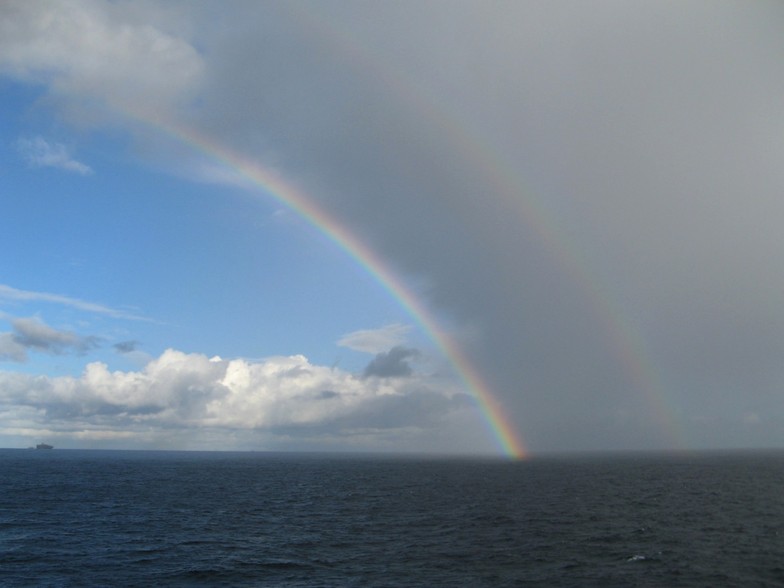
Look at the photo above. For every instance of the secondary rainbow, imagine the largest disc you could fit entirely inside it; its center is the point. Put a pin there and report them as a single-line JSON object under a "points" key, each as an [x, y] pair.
{"points": [[504, 181], [275, 185]]}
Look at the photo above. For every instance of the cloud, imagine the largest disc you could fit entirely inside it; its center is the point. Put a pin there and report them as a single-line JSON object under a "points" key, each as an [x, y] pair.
{"points": [[126, 346], [376, 340], [11, 349], [9, 293], [38, 152], [130, 351], [580, 186], [33, 334], [179, 390], [96, 54], [591, 190], [391, 364]]}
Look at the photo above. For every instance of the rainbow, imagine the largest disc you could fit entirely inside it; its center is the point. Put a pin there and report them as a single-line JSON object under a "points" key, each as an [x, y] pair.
{"points": [[286, 192], [504, 181], [623, 334]]}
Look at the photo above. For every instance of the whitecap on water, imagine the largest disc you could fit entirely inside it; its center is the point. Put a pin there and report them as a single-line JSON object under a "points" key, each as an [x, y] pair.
{"points": [[637, 558]]}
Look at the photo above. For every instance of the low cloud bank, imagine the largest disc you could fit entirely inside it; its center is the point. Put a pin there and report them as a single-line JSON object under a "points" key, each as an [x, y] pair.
{"points": [[189, 391]]}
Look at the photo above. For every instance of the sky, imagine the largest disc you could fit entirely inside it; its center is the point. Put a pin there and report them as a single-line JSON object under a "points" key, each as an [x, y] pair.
{"points": [[505, 228]]}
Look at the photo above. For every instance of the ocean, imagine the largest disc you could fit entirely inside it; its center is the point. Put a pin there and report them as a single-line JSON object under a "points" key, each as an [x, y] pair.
{"points": [[127, 518]]}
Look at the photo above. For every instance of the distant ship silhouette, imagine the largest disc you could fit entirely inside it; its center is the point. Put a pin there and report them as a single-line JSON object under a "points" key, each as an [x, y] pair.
{"points": [[44, 446]]}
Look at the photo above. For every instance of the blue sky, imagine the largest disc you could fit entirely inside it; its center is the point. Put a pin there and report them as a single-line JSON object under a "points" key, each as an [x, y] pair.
{"points": [[585, 199], [204, 267]]}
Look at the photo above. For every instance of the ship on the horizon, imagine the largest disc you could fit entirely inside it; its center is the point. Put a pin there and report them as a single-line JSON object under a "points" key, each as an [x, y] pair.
{"points": [[44, 446]]}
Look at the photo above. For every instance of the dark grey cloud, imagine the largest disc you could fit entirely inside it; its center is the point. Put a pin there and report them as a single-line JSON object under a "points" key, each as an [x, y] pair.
{"points": [[33, 334], [391, 364], [126, 346], [417, 408], [580, 184]]}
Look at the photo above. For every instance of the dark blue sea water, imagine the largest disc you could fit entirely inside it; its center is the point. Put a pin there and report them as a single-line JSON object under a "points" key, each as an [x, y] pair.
{"points": [[105, 518]]}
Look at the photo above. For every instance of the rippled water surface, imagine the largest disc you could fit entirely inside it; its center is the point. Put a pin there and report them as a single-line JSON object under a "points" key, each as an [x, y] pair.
{"points": [[105, 518]]}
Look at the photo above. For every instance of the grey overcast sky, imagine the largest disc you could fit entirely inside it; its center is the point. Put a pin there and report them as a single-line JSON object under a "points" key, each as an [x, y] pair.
{"points": [[587, 195]]}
